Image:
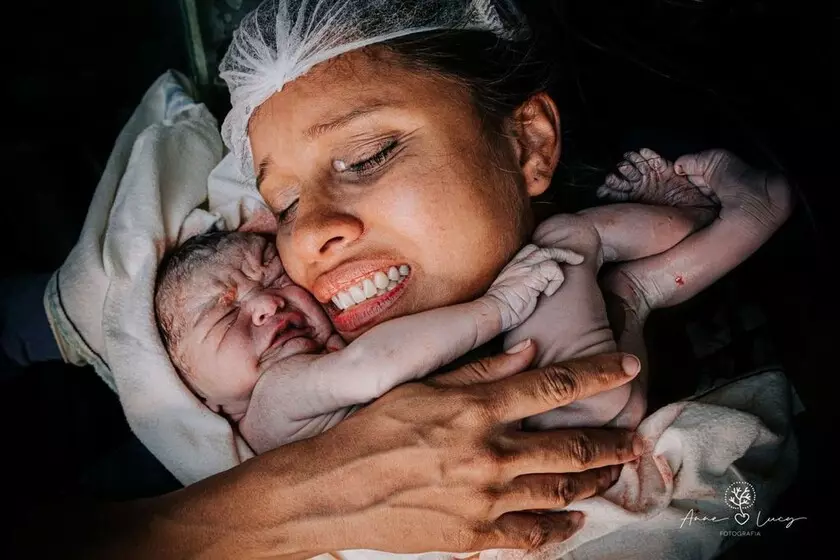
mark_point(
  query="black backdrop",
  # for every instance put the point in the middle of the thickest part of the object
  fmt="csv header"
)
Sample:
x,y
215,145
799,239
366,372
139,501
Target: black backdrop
x,y
756,77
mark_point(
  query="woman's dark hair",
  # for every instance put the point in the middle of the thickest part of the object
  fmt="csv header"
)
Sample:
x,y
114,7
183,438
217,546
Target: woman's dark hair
x,y
499,75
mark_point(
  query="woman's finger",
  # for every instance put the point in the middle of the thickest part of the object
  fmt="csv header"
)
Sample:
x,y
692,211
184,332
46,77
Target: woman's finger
x,y
529,531
534,392
554,491
513,361
568,450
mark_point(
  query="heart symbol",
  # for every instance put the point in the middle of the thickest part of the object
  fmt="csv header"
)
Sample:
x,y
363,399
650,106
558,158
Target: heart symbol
x,y
742,518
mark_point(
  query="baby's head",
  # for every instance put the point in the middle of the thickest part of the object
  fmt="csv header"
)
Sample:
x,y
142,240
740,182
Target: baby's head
x,y
227,312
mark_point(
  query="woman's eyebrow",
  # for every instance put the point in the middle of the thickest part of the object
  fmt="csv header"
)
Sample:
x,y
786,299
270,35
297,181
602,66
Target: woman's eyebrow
x,y
346,118
264,164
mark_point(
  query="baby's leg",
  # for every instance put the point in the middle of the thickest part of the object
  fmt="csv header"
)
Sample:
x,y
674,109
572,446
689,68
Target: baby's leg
x,y
754,204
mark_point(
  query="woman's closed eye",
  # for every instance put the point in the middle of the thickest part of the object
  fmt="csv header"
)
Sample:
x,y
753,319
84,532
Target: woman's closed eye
x,y
362,169
369,165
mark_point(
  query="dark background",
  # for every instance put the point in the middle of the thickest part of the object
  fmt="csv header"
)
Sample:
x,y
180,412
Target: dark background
x,y
756,77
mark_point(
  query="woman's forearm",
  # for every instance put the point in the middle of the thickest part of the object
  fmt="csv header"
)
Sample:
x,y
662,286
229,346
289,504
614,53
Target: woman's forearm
x,y
252,511
411,472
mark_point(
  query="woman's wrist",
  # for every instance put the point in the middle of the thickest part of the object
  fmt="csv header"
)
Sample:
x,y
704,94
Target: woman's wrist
x,y
256,510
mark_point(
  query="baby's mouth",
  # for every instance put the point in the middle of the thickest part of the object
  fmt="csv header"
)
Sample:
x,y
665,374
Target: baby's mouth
x,y
374,286
292,325
284,336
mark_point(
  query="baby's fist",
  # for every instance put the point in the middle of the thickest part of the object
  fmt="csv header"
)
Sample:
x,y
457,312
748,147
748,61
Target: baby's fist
x,y
533,271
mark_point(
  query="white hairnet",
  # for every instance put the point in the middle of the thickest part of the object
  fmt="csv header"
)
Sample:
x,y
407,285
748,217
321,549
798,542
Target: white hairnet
x,y
282,39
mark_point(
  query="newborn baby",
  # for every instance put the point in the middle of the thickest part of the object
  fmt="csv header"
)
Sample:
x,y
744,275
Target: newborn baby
x,y
251,343
261,350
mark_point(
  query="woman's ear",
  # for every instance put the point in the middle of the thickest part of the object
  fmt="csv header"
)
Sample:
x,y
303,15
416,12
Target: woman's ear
x,y
536,127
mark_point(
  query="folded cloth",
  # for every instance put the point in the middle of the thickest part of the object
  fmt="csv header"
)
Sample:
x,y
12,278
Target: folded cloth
x,y
737,436
154,194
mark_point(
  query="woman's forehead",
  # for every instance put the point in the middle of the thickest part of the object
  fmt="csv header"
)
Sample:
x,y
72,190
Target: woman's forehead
x,y
349,86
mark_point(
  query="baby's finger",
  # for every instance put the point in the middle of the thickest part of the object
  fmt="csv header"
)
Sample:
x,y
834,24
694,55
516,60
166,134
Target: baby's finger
x,y
566,256
526,253
554,284
547,272
555,254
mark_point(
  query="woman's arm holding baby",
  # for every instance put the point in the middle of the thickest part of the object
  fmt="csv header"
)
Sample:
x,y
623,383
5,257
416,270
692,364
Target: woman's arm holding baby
x,y
345,489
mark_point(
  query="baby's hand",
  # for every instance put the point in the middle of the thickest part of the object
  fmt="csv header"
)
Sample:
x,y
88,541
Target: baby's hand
x,y
533,271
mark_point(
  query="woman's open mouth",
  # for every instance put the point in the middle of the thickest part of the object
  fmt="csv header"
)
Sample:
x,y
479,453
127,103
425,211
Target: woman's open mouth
x,y
354,307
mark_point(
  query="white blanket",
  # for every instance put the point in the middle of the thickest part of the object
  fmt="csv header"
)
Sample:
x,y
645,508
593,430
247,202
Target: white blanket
x,y
152,195
155,192
699,452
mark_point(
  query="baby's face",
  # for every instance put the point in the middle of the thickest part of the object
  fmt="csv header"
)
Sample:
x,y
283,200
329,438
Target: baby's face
x,y
241,315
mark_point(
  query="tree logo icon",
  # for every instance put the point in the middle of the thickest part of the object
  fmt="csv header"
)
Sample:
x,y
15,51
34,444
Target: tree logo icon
x,y
740,495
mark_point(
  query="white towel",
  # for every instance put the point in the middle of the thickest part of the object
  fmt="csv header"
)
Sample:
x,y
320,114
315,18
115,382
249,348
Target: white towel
x,y
738,432
155,192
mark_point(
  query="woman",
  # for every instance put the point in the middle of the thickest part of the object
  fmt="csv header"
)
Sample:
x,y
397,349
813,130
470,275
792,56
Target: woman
x,y
429,466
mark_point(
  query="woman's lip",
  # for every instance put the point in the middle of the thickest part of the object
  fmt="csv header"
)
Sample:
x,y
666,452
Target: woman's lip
x,y
349,274
362,314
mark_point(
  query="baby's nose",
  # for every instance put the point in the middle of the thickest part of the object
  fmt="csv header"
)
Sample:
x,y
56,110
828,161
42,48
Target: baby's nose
x,y
263,308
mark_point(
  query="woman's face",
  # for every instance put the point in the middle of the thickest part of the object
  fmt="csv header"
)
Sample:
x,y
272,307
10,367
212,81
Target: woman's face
x,y
375,168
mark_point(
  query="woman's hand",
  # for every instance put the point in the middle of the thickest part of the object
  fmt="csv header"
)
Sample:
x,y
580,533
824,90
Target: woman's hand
x,y
435,465
440,465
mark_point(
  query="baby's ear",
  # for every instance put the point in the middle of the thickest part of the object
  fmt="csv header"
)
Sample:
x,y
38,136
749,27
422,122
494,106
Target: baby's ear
x,y
260,221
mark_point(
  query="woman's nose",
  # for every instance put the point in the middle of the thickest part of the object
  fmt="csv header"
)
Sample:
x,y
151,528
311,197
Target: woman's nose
x,y
263,307
321,233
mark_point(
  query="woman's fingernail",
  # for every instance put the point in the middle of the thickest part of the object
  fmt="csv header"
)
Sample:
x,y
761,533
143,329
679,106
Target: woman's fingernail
x,y
631,365
519,347
578,518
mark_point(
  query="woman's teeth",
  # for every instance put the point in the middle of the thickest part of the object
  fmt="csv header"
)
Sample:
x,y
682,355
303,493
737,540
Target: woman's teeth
x,y
374,286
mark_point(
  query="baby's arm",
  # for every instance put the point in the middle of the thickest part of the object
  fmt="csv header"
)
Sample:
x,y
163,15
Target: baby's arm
x,y
410,347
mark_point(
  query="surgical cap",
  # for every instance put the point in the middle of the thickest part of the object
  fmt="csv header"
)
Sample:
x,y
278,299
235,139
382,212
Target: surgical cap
x,y
283,39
